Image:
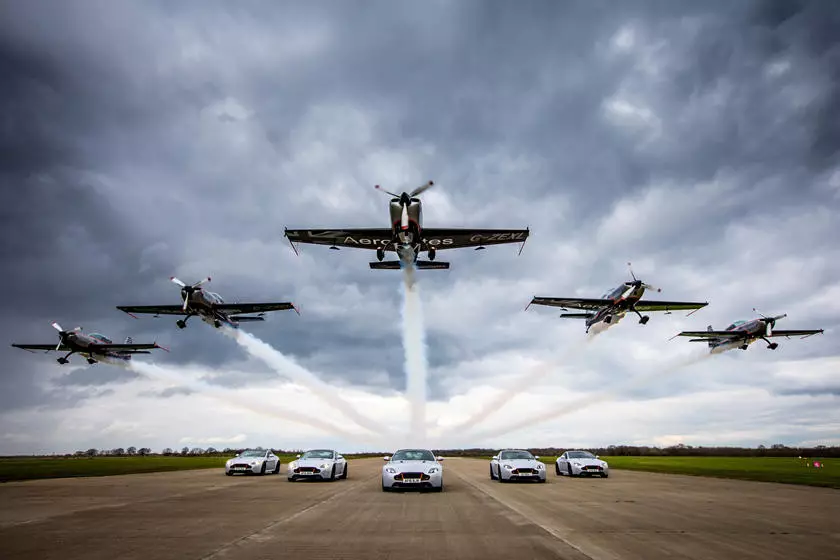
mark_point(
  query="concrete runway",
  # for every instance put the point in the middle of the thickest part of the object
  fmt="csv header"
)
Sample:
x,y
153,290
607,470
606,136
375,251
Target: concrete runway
x,y
204,514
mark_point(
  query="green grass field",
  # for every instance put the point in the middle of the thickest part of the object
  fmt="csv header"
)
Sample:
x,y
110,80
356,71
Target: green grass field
x,y
787,470
29,468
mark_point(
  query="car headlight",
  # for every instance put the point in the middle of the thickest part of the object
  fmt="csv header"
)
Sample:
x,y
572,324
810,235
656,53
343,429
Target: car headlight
x,y
433,470
390,470
324,466
254,463
508,467
540,466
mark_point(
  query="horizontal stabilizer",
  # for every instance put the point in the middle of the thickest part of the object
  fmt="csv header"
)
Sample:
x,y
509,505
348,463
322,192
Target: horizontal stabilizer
x,y
420,265
244,318
576,315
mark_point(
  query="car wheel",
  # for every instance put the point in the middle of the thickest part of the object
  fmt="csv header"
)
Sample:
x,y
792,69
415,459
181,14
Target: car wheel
x,y
276,468
570,470
344,473
500,476
492,474
439,488
291,479
262,469
557,469
385,488
332,474
605,475
227,473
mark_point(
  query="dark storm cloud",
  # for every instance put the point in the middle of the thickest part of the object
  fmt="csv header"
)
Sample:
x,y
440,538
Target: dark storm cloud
x,y
162,139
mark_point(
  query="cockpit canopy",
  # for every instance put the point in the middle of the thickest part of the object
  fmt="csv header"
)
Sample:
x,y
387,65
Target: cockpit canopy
x,y
213,296
101,338
735,324
614,293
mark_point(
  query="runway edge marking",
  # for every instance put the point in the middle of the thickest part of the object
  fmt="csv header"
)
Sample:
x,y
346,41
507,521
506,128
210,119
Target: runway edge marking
x,y
255,535
530,518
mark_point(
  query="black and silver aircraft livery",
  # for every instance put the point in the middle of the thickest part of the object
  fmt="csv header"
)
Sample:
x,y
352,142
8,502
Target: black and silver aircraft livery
x,y
741,334
407,237
95,347
612,306
209,306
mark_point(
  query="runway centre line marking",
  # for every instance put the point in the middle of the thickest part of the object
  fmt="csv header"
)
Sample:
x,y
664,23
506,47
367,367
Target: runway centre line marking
x,y
529,518
255,535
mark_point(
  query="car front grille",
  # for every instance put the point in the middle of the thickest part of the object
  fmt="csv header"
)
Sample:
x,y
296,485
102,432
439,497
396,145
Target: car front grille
x,y
307,470
524,471
240,465
410,475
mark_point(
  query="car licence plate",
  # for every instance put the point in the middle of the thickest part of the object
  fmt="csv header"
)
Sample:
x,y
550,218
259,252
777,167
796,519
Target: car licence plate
x,y
412,480
239,468
307,473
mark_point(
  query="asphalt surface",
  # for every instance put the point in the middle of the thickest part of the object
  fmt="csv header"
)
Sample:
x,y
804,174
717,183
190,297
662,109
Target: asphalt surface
x,y
204,514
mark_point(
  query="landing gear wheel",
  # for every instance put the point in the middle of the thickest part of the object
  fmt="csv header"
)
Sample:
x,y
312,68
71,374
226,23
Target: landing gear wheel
x,y
743,347
217,323
262,470
63,361
276,468
773,345
644,320
181,324
608,319
91,361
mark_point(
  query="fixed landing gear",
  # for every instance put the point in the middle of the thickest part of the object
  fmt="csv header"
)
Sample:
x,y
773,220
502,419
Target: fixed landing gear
x,y
770,345
380,254
432,254
217,323
91,361
743,347
643,319
182,323
608,319
63,360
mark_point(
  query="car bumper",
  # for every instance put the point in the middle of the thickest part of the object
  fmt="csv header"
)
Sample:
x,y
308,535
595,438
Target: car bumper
x,y
243,469
582,471
305,474
510,475
396,480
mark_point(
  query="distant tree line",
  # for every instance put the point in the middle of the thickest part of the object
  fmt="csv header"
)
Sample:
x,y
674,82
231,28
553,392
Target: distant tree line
x,y
679,450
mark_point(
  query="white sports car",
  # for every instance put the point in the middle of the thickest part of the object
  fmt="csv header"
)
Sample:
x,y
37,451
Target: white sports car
x,y
253,461
516,464
318,464
579,463
413,468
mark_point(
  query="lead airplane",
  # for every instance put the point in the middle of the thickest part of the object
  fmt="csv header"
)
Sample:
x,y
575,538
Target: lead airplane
x,y
741,334
209,306
95,347
407,237
612,306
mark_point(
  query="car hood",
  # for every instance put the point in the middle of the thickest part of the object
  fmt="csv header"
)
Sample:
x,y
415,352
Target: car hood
x,y
245,459
313,462
412,466
586,462
521,463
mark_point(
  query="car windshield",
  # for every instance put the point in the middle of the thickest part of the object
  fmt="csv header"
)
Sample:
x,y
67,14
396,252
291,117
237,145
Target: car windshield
x,y
252,453
581,455
318,454
515,455
413,455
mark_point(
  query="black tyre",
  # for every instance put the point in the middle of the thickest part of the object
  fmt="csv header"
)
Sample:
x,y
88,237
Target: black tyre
x,y
344,473
228,473
262,469
605,475
276,468
570,470
557,469
492,474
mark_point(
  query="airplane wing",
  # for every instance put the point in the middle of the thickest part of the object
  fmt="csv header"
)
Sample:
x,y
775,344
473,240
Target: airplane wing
x,y
50,347
128,348
644,305
795,333
359,238
714,334
574,303
457,238
153,309
240,308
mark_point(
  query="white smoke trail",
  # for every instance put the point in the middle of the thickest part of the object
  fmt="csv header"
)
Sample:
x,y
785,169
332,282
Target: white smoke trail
x,y
414,346
287,367
162,374
558,410
519,385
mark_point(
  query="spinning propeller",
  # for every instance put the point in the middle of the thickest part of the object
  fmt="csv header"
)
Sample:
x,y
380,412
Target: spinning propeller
x,y
187,290
637,283
769,321
62,334
405,200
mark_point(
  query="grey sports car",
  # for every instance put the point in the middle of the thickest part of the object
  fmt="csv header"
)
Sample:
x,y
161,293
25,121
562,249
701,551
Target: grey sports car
x,y
516,464
413,468
253,461
581,463
317,464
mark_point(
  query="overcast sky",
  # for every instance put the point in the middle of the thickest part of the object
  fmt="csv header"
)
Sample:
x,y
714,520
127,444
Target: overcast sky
x,y
698,140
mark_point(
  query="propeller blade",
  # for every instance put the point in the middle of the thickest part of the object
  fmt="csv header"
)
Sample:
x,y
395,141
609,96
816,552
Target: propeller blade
x,y
57,327
422,188
768,331
649,287
631,272
377,187
200,282
186,301
782,316
404,220
176,281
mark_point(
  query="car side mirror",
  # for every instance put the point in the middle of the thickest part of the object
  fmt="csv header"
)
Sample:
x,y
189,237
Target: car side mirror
x,y
597,456
536,456
495,458
339,457
438,459
386,458
297,456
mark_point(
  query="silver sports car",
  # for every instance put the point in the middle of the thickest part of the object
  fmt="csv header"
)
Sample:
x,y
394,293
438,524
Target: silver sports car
x,y
578,463
253,461
516,464
413,468
318,464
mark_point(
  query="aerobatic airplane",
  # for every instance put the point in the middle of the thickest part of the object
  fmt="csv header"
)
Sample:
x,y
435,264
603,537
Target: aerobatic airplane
x,y
612,306
741,334
407,237
95,347
209,306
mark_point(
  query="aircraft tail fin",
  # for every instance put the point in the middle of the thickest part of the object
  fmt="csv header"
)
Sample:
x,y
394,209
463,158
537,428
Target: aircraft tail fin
x,y
421,265
576,315
129,340
245,318
709,340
